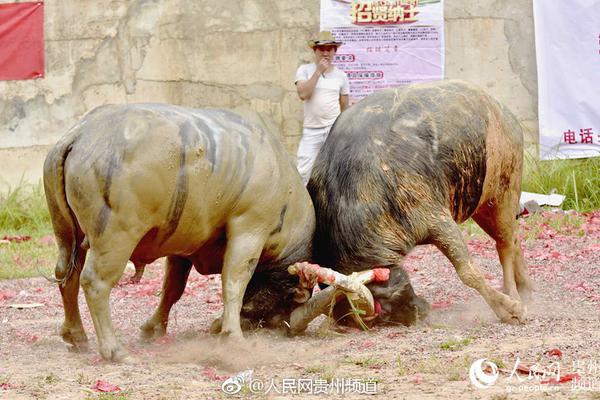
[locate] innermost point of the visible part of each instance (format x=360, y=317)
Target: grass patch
x=326, y=372
x=27, y=259
x=315, y=369
x=565, y=223
x=24, y=209
x=499, y=363
x=455, y=344
x=578, y=180
x=83, y=379
x=51, y=379
x=23, y=212
x=400, y=367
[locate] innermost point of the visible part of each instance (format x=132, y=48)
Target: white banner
x=567, y=39
x=387, y=43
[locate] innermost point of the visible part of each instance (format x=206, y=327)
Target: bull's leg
x=139, y=272
x=72, y=329
x=177, y=270
x=446, y=235
x=104, y=266
x=498, y=219
x=244, y=246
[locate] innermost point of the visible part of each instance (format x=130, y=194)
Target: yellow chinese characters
x=384, y=11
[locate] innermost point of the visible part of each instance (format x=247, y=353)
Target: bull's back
x=175, y=175
x=399, y=149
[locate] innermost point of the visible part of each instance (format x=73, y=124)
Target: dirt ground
x=427, y=361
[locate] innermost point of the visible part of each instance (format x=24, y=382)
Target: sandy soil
x=427, y=361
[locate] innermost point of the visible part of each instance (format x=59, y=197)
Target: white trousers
x=310, y=144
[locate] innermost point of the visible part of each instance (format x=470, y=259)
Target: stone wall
x=239, y=54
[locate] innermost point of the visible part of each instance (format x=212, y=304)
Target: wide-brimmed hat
x=325, y=38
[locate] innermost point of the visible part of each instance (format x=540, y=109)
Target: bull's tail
x=63, y=219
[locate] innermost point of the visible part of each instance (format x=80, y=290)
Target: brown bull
x=403, y=167
x=201, y=187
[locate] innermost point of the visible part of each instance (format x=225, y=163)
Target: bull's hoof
x=515, y=314
x=136, y=278
x=75, y=337
x=246, y=323
x=231, y=336
x=151, y=330
x=116, y=354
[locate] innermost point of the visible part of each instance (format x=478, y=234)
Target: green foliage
x=27, y=259
x=454, y=344
x=23, y=212
x=51, y=379
x=24, y=209
x=578, y=180
x=400, y=367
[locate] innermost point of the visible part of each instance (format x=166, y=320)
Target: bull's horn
x=321, y=302
x=315, y=306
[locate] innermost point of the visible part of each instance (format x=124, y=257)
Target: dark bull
x=402, y=167
x=201, y=187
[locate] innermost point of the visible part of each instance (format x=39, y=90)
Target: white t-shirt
x=323, y=107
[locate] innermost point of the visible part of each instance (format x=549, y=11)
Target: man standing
x=324, y=90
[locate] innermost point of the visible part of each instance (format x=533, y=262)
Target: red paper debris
x=7, y=386
x=393, y=335
x=17, y=239
x=7, y=295
x=367, y=344
x=563, y=379
x=526, y=369
x=211, y=374
x=104, y=386
x=554, y=352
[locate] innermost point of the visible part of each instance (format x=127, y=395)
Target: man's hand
x=323, y=65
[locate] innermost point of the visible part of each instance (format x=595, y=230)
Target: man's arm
x=344, y=101
x=306, y=88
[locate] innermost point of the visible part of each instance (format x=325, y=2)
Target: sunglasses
x=326, y=48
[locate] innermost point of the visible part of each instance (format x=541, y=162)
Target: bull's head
x=398, y=301
x=270, y=298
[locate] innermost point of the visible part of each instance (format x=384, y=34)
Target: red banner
x=21, y=41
